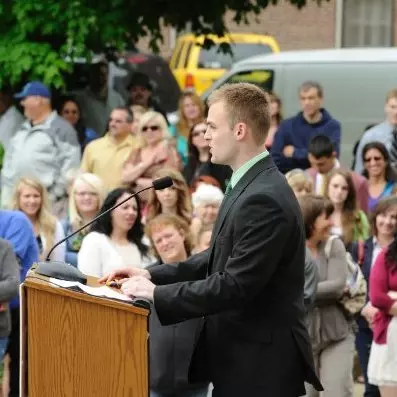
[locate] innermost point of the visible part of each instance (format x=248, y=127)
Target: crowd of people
x=63, y=166
x=347, y=214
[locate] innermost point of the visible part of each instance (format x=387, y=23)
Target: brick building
x=335, y=23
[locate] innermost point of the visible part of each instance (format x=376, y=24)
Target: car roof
x=334, y=55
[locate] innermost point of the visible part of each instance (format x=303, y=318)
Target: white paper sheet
x=103, y=291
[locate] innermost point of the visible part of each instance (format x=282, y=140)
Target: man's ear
x=241, y=130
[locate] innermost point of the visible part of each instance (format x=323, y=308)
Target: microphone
x=64, y=271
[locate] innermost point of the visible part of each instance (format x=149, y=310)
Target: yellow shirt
x=105, y=158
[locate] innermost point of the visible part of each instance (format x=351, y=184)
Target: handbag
x=354, y=299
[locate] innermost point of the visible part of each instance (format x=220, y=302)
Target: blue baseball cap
x=34, y=88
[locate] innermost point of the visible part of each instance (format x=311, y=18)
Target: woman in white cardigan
x=116, y=239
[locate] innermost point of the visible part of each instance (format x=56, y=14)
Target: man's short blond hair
x=245, y=103
x=392, y=94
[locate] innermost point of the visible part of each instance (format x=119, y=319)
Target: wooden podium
x=74, y=344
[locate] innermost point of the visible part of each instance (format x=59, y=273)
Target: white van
x=355, y=83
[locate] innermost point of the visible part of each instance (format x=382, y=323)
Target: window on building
x=367, y=23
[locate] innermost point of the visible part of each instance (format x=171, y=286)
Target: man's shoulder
x=288, y=122
x=59, y=122
x=377, y=131
x=15, y=219
x=96, y=144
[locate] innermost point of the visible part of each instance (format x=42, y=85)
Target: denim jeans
x=202, y=392
x=3, y=348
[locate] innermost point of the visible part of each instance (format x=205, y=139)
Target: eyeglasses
x=150, y=127
x=375, y=158
x=198, y=132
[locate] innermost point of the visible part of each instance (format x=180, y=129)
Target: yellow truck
x=197, y=68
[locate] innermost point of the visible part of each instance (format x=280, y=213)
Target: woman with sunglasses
x=155, y=152
x=199, y=159
x=378, y=171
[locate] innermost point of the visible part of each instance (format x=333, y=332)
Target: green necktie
x=228, y=188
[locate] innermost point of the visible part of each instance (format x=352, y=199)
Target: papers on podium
x=102, y=291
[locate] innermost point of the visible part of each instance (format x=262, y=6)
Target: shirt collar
x=240, y=172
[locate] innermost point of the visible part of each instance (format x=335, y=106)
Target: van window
x=214, y=58
x=262, y=78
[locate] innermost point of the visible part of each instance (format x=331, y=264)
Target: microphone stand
x=94, y=220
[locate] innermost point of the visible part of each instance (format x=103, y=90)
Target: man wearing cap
x=44, y=147
x=140, y=92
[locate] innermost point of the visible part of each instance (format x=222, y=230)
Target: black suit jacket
x=249, y=288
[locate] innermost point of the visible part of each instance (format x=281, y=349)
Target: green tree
x=38, y=37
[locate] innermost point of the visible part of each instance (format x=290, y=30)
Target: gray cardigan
x=9, y=284
x=328, y=322
x=311, y=281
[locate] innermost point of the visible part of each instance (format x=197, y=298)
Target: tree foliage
x=38, y=37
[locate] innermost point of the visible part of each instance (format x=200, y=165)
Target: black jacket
x=171, y=348
x=249, y=288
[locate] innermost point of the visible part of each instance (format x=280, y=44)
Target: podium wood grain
x=79, y=345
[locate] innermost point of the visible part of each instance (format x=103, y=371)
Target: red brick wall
x=309, y=28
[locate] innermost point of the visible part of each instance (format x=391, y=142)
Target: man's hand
x=138, y=287
x=124, y=273
x=288, y=151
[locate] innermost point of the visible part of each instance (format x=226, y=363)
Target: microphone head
x=162, y=183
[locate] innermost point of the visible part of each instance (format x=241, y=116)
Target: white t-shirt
x=99, y=255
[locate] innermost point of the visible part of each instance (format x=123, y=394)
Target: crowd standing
x=63, y=166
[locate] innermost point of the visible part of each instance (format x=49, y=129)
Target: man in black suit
x=248, y=286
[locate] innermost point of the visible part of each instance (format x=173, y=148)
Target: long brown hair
x=184, y=201
x=275, y=98
x=183, y=126
x=350, y=212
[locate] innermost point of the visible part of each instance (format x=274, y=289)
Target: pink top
x=382, y=280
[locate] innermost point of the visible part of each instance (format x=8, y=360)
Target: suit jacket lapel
x=228, y=201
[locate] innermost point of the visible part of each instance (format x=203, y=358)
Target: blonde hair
x=46, y=221
x=163, y=220
x=184, y=202
x=94, y=182
x=299, y=180
x=245, y=103
x=154, y=117
x=183, y=125
x=392, y=94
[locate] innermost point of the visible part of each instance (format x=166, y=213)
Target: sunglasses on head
x=150, y=127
